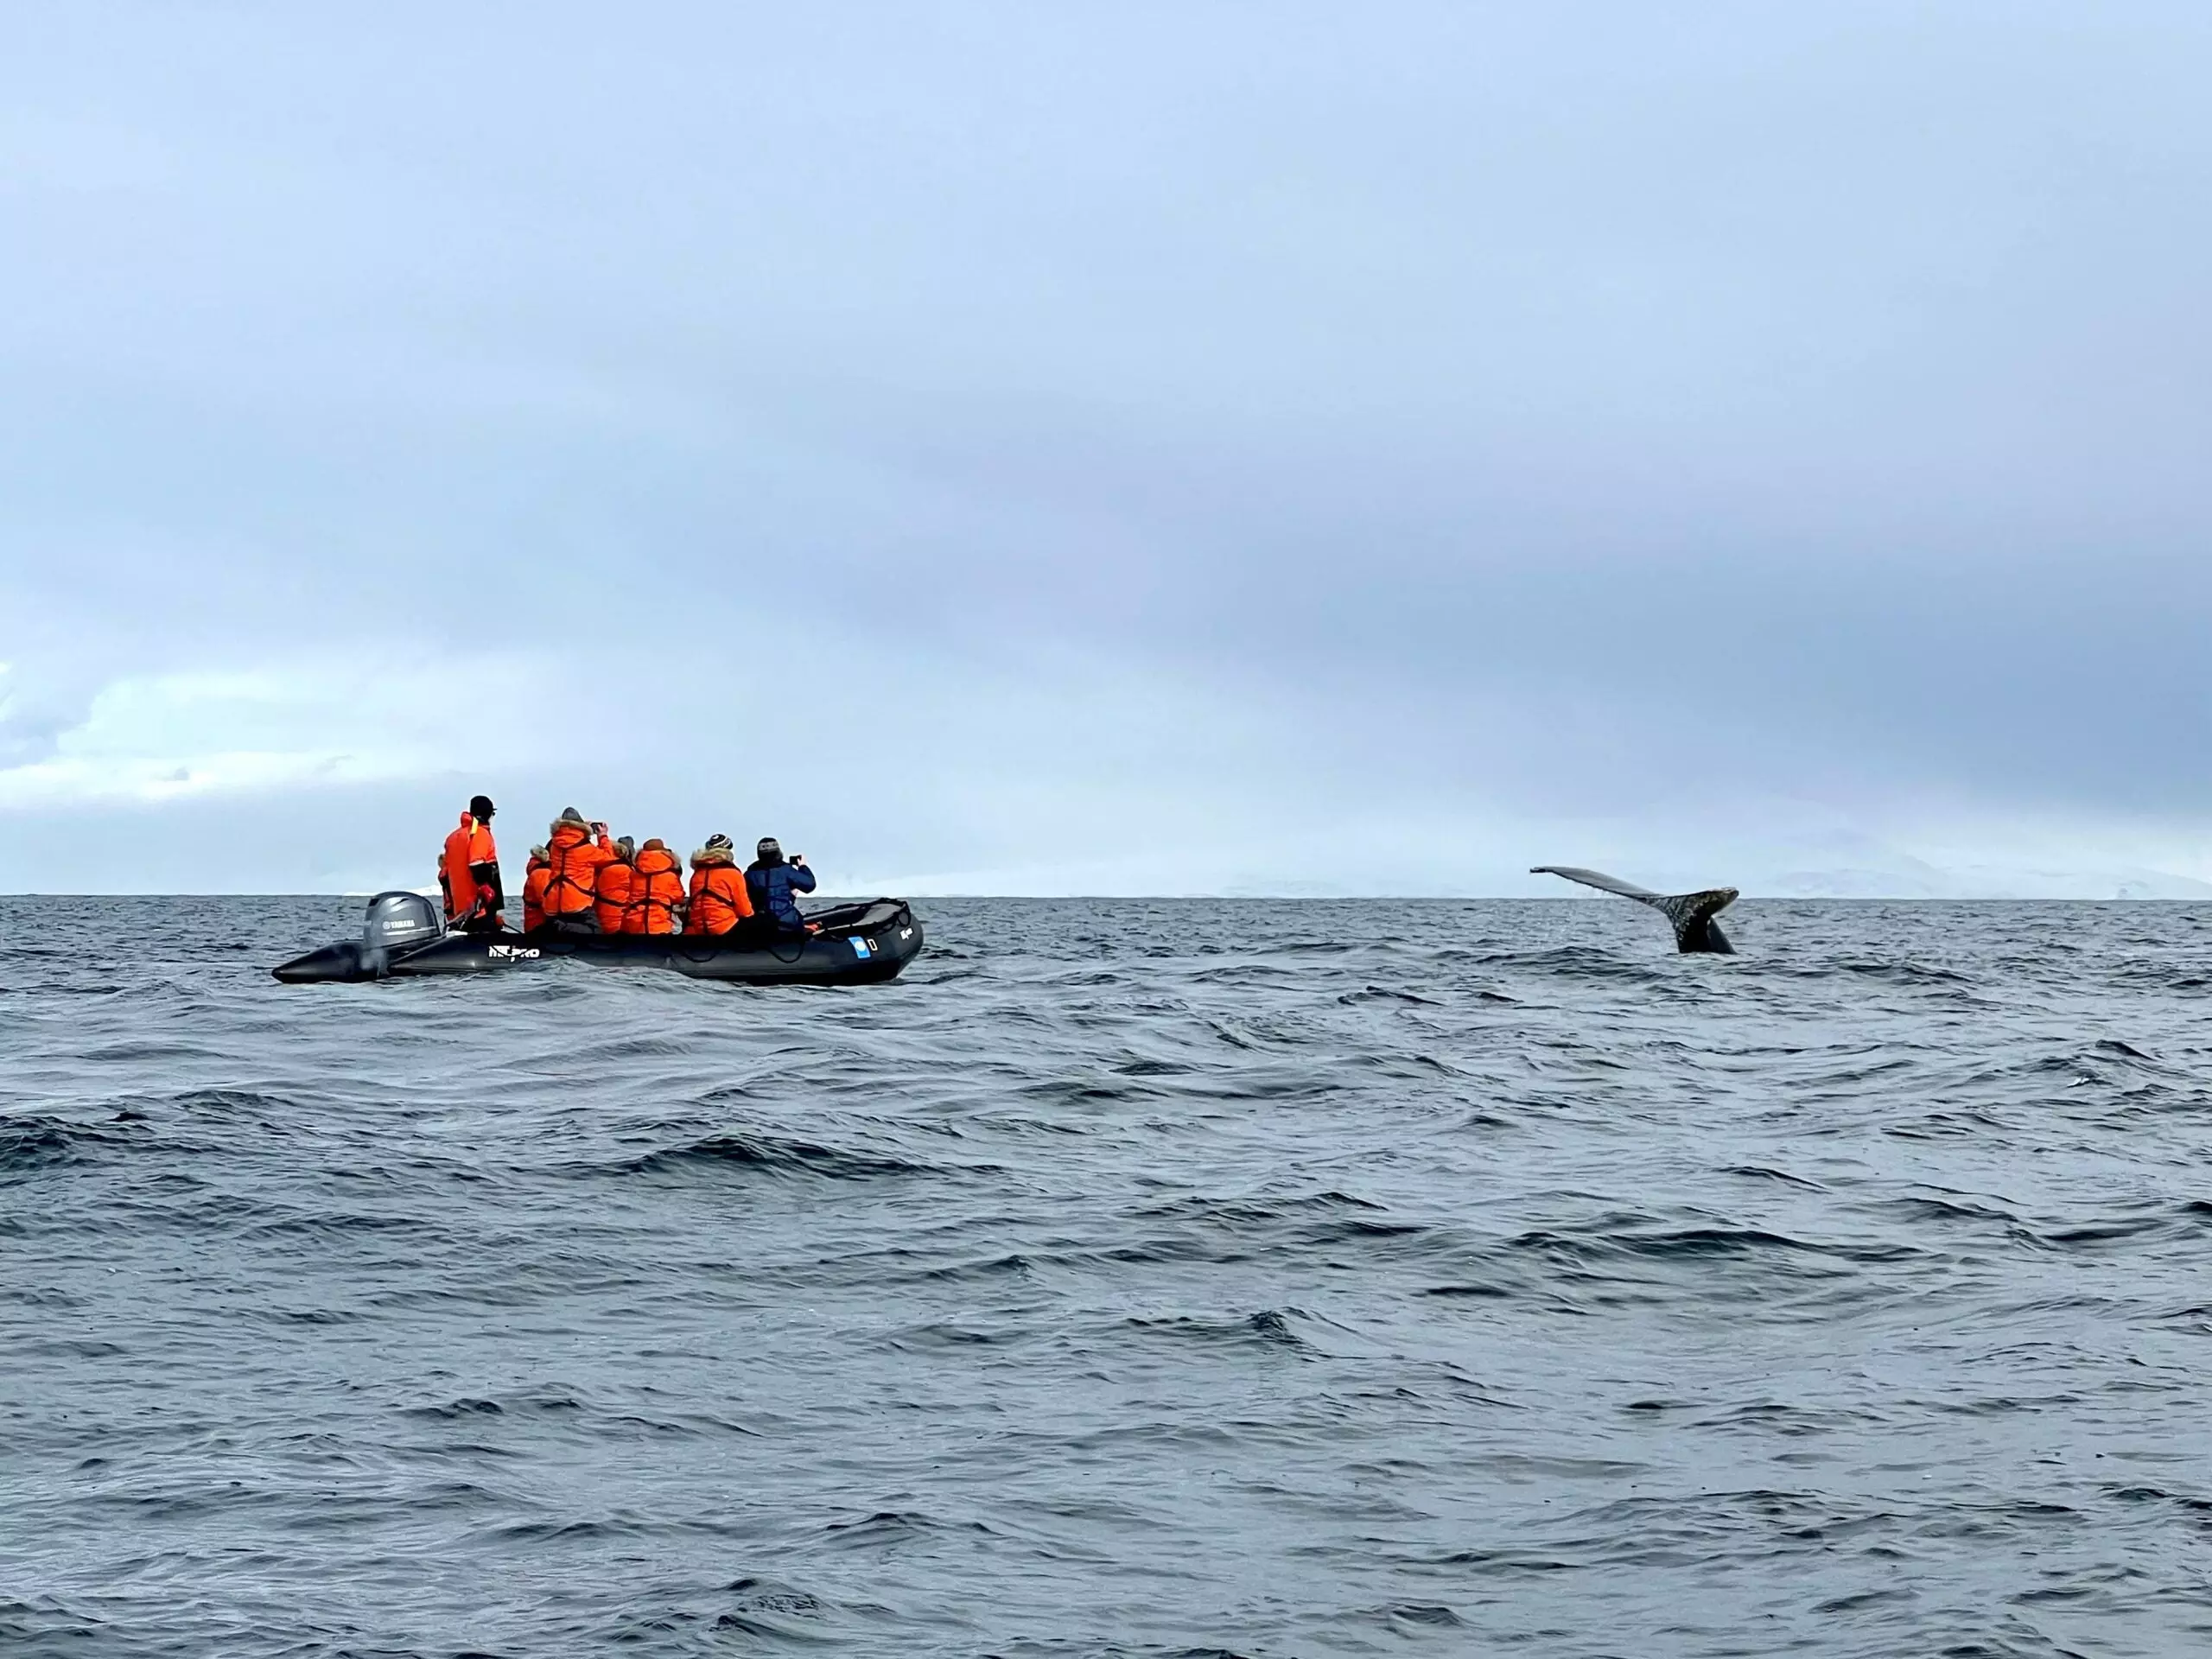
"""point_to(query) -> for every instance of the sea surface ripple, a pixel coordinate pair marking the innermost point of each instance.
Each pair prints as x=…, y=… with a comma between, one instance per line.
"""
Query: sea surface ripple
x=1132, y=1278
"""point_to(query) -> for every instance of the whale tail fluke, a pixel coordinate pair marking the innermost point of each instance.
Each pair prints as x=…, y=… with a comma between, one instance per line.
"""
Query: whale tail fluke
x=1691, y=913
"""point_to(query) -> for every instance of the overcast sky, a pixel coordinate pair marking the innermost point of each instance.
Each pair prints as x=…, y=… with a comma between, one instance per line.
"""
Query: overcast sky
x=1118, y=448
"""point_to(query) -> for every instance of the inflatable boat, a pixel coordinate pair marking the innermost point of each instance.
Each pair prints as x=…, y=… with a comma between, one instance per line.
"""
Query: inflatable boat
x=405, y=937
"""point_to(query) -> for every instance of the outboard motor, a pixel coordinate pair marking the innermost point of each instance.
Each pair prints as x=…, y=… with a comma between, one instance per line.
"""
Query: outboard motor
x=399, y=922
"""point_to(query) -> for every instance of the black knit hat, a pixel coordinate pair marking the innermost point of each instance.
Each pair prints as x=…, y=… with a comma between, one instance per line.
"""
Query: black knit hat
x=480, y=806
x=769, y=847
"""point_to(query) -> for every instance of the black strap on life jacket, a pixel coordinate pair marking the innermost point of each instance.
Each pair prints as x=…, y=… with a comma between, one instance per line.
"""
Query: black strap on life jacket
x=561, y=878
x=708, y=889
x=645, y=901
x=642, y=898
x=622, y=910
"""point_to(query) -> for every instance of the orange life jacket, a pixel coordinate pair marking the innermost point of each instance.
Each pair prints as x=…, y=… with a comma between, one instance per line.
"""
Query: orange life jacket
x=613, y=890
x=533, y=894
x=572, y=860
x=470, y=844
x=657, y=891
x=719, y=900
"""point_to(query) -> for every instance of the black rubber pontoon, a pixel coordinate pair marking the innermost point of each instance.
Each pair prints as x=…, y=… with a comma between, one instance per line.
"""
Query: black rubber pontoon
x=403, y=938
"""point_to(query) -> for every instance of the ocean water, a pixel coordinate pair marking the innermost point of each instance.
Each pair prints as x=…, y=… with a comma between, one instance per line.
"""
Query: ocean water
x=1132, y=1278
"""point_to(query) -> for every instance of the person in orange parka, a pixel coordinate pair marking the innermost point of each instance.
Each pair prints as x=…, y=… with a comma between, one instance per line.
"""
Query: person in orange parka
x=574, y=853
x=657, y=893
x=533, y=891
x=468, y=871
x=614, y=889
x=719, y=900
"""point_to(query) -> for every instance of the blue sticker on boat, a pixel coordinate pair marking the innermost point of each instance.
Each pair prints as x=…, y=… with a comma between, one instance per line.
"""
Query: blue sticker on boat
x=861, y=947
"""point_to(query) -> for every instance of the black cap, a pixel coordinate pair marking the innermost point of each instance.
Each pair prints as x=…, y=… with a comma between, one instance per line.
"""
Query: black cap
x=480, y=806
x=769, y=847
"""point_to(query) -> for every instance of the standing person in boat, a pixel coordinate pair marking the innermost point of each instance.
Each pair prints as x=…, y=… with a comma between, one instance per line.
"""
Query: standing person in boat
x=574, y=853
x=613, y=889
x=719, y=900
x=468, y=872
x=656, y=892
x=774, y=883
x=533, y=891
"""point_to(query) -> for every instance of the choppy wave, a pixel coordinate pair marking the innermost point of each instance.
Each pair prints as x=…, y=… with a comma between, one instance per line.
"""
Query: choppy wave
x=1134, y=1278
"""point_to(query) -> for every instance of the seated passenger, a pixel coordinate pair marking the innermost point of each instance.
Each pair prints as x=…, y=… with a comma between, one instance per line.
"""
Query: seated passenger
x=656, y=892
x=719, y=900
x=574, y=853
x=533, y=891
x=614, y=887
x=773, y=881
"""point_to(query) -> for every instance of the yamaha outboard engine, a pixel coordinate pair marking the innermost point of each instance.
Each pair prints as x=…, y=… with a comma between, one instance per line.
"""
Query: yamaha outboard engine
x=399, y=922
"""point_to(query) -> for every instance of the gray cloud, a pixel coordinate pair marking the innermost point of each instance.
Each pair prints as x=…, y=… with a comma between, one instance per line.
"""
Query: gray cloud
x=1454, y=430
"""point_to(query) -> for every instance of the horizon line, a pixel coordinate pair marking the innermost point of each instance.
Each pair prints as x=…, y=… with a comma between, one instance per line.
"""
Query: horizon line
x=1264, y=897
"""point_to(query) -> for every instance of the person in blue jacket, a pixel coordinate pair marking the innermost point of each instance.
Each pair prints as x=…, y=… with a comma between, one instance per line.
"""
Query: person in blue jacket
x=773, y=882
